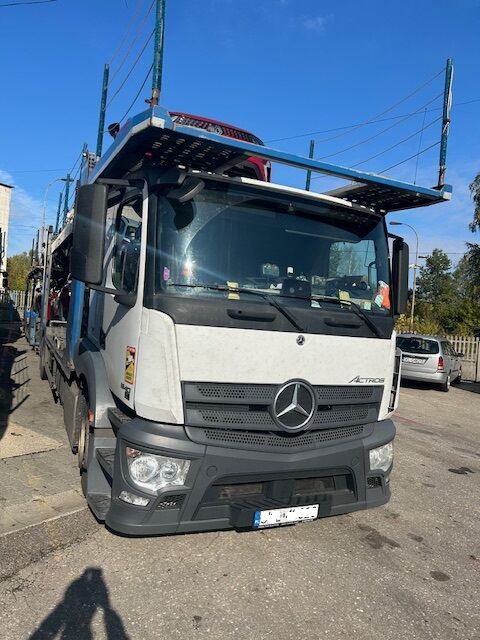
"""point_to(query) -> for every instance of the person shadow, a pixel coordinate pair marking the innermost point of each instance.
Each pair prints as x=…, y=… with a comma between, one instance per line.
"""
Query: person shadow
x=72, y=617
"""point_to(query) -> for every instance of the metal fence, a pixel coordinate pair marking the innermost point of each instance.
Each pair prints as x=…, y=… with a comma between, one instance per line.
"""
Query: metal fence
x=18, y=298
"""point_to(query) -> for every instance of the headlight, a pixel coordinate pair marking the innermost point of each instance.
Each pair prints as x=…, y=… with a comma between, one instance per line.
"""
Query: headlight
x=381, y=458
x=154, y=472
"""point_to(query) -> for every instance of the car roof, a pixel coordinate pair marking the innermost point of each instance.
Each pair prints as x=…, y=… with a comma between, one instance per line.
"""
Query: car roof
x=422, y=337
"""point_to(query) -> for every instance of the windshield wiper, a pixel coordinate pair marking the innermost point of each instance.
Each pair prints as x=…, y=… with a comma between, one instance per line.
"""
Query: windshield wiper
x=270, y=299
x=355, y=308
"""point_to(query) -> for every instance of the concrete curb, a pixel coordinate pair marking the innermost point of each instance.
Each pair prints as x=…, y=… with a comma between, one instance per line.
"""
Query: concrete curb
x=20, y=548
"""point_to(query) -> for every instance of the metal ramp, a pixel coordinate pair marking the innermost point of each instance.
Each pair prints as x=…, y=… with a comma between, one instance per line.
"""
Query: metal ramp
x=153, y=138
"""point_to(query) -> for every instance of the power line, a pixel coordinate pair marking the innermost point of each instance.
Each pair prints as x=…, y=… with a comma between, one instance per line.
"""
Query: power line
x=132, y=44
x=126, y=34
x=33, y=170
x=435, y=144
x=397, y=144
x=351, y=126
x=382, y=113
x=376, y=135
x=17, y=4
x=131, y=69
x=138, y=93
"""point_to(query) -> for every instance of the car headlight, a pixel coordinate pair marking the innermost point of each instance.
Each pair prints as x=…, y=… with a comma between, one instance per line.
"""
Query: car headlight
x=381, y=458
x=154, y=472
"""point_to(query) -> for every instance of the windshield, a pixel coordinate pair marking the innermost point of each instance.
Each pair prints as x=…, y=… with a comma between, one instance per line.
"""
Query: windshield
x=418, y=345
x=233, y=238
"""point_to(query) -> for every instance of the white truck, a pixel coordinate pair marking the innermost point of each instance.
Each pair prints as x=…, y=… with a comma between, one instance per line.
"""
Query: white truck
x=231, y=363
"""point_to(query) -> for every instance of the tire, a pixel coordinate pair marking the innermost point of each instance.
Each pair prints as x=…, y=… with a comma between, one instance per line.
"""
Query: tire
x=445, y=386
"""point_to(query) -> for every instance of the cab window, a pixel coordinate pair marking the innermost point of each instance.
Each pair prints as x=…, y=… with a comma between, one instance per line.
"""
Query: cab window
x=126, y=251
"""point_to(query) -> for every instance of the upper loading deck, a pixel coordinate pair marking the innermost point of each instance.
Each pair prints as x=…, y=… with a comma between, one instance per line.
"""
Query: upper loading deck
x=154, y=138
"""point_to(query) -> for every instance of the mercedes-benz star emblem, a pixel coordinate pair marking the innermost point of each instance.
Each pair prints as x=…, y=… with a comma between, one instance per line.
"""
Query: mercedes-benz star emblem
x=294, y=405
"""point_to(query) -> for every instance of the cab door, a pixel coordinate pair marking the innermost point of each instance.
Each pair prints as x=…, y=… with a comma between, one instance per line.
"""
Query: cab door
x=122, y=313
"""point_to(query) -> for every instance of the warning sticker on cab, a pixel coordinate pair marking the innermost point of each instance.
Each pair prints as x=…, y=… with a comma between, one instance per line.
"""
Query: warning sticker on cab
x=130, y=365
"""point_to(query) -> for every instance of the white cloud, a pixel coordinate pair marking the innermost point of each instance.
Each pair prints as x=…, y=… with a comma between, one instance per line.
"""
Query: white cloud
x=314, y=23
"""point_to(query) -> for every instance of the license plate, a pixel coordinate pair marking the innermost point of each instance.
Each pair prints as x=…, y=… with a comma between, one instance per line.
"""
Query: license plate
x=413, y=360
x=286, y=515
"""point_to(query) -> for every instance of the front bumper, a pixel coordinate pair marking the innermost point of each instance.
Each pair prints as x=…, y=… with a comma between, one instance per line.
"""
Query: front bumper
x=334, y=474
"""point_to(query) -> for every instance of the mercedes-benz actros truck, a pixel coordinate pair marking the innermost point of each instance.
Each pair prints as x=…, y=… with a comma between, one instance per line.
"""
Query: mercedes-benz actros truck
x=225, y=352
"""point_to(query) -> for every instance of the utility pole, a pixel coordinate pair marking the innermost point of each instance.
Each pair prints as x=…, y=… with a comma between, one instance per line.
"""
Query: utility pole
x=309, y=173
x=103, y=108
x=447, y=106
x=158, y=53
x=59, y=209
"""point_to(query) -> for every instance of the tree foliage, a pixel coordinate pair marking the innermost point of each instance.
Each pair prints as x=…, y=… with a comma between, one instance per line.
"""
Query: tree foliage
x=449, y=300
x=435, y=282
x=475, y=191
x=18, y=267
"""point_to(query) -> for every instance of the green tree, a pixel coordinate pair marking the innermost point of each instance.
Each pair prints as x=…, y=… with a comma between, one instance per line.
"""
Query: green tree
x=475, y=191
x=18, y=267
x=435, y=283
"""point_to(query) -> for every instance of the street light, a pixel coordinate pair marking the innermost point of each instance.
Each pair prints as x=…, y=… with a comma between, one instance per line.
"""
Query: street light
x=414, y=269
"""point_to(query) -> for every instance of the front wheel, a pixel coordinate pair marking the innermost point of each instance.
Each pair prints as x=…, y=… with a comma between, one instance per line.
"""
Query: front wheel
x=445, y=386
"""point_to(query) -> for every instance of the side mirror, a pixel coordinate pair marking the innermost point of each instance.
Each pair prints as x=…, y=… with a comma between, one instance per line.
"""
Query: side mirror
x=460, y=355
x=86, y=263
x=399, y=276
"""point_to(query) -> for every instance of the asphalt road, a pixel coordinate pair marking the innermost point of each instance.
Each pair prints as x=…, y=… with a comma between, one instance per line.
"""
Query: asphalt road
x=408, y=570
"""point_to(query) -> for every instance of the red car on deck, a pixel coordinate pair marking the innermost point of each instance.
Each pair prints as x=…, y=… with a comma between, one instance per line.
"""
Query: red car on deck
x=253, y=167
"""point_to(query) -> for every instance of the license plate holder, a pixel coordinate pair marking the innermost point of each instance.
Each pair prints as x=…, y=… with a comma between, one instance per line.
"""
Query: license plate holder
x=411, y=360
x=285, y=515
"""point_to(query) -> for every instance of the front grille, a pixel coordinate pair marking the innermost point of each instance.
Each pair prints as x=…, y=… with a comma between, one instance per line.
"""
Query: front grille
x=263, y=441
x=265, y=393
x=372, y=483
x=248, y=406
x=171, y=502
x=207, y=125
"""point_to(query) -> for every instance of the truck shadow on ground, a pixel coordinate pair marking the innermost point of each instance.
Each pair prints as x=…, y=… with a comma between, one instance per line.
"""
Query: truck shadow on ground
x=71, y=619
x=13, y=374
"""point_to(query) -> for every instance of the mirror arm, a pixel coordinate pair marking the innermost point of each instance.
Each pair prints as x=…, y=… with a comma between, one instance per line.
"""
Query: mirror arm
x=120, y=295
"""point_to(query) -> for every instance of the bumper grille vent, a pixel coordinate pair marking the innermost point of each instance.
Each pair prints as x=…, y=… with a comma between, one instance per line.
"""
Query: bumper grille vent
x=171, y=502
x=269, y=440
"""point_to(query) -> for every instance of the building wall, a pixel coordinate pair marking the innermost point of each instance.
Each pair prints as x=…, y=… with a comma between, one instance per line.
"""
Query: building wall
x=5, y=199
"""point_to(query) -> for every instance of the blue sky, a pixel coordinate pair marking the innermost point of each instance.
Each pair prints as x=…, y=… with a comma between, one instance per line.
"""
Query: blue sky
x=280, y=68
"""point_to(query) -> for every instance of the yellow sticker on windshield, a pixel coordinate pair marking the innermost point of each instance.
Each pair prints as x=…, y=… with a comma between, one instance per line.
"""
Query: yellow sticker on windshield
x=233, y=295
x=344, y=295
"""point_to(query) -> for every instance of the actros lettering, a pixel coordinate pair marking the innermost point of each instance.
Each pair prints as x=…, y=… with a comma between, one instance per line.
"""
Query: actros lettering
x=359, y=380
